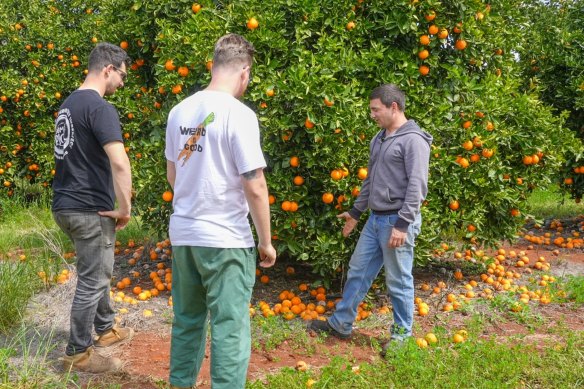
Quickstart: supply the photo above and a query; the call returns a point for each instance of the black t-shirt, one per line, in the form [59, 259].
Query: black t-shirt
[83, 179]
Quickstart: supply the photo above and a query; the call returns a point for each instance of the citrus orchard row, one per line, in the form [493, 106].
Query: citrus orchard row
[314, 67]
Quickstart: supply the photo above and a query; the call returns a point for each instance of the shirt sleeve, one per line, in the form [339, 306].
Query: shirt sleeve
[170, 150]
[244, 135]
[106, 125]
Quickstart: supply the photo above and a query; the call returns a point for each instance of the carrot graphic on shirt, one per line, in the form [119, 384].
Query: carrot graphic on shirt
[191, 143]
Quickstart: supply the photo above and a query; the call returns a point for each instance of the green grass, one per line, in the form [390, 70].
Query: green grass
[268, 333]
[550, 203]
[29, 229]
[475, 363]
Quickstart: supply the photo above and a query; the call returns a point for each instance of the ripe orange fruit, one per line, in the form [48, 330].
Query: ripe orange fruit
[443, 33]
[467, 124]
[433, 29]
[252, 23]
[425, 40]
[271, 199]
[270, 92]
[308, 124]
[515, 212]
[431, 338]
[423, 54]
[471, 228]
[527, 160]
[351, 25]
[454, 205]
[460, 44]
[490, 126]
[424, 70]
[290, 270]
[422, 343]
[286, 205]
[124, 45]
[362, 173]
[294, 161]
[137, 290]
[467, 145]
[264, 279]
[487, 153]
[328, 102]
[183, 71]
[336, 174]
[328, 198]
[298, 180]
[431, 15]
[167, 196]
[169, 65]
[458, 338]
[196, 7]
[293, 206]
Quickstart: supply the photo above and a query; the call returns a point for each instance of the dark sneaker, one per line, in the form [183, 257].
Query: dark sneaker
[323, 326]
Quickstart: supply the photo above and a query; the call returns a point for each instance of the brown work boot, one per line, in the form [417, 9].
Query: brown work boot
[91, 361]
[116, 335]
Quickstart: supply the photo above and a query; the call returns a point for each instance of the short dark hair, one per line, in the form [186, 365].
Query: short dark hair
[233, 50]
[104, 54]
[388, 94]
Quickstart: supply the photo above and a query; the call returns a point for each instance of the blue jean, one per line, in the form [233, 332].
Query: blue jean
[370, 254]
[94, 239]
[215, 282]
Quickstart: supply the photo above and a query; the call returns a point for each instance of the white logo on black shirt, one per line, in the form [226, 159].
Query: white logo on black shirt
[64, 134]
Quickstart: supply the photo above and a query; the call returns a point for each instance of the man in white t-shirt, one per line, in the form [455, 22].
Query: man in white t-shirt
[215, 166]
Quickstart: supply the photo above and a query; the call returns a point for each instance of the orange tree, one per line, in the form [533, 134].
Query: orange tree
[316, 63]
[554, 67]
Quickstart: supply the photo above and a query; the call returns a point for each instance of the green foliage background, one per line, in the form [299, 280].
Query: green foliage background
[305, 53]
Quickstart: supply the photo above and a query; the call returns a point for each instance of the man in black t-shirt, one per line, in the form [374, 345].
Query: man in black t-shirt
[92, 172]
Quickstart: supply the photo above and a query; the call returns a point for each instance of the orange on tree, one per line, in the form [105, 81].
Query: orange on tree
[433, 29]
[424, 70]
[294, 161]
[298, 180]
[423, 54]
[362, 173]
[460, 44]
[425, 40]
[336, 174]
[167, 196]
[169, 65]
[328, 198]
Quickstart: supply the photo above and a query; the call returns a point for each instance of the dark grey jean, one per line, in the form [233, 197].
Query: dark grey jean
[94, 238]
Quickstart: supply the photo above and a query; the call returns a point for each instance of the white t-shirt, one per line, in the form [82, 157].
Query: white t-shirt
[212, 138]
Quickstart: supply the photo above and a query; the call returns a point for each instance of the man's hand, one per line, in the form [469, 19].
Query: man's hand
[121, 218]
[267, 255]
[397, 238]
[350, 223]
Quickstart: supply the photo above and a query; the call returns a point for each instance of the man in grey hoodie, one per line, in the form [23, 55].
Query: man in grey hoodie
[395, 187]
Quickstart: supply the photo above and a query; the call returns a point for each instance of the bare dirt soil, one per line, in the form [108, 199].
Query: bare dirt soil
[146, 357]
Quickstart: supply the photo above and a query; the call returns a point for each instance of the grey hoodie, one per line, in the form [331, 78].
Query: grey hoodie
[397, 178]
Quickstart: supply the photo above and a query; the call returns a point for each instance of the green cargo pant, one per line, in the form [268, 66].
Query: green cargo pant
[215, 282]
